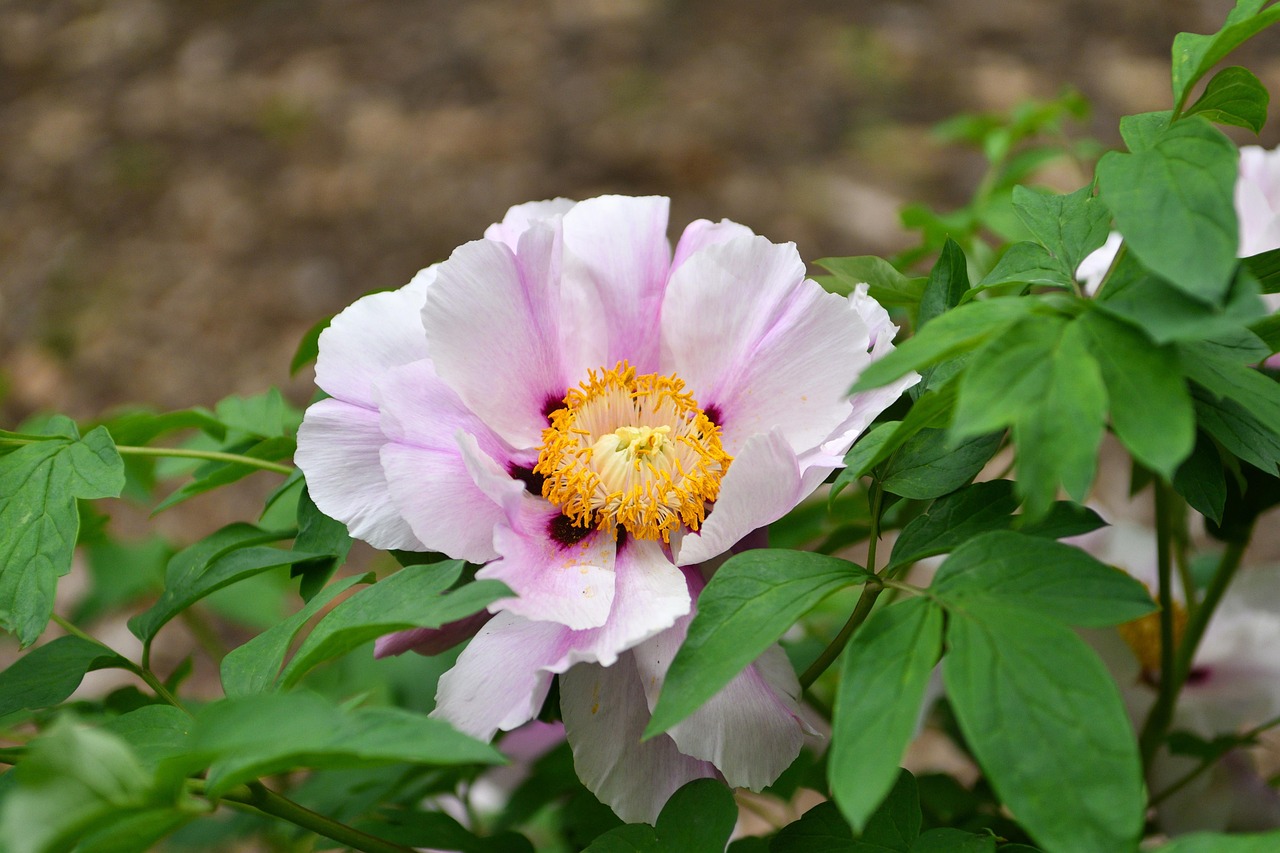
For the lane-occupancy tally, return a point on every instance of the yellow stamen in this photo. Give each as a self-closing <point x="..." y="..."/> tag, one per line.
<point x="632" y="450"/>
<point x="1143" y="637"/>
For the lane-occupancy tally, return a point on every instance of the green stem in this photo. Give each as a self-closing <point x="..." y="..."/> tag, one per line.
<point x="209" y="455"/>
<point x="862" y="609"/>
<point x="1206" y="763"/>
<point x="144" y="672"/>
<point x="263" y="799"/>
<point x="12" y="754"/>
<point x="177" y="452"/>
<point x="1157" y="722"/>
<point x="1199" y="620"/>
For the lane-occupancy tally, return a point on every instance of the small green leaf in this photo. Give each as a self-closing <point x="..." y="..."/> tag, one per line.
<point x="48" y="674"/>
<point x="896" y="824"/>
<point x="1069" y="227"/>
<point x="1020" y="684"/>
<point x="1167" y="314"/>
<point x="752" y="599"/>
<point x="1141" y="132"/>
<point x="1194" y="55"/>
<point x="252" y="667"/>
<point x="319" y="534"/>
<point x="39" y="485"/>
<point x="309" y="347"/>
<point x="948" y="840"/>
<point x="885" y="284"/>
<point x="1212" y="842"/>
<point x="1237" y="430"/>
<point x="1201" y="480"/>
<point x="1173" y="202"/>
<point x="1008" y="377"/>
<point x="231" y="554"/>
<point x="698" y="818"/>
<point x="213" y="475"/>
<point x="885" y="671"/>
<point x="862" y="457"/>
<point x="948" y="283"/>
<point x="819" y="830"/>
<point x="1234" y="96"/>
<point x="1224" y="378"/>
<point x="1151" y="407"/>
<point x="1265" y="267"/>
<point x="411" y="598"/>
<point x="632" y="838"/>
<point x="265" y="415"/>
<point x="929" y="466"/>
<point x="153" y="732"/>
<point x="959" y="330"/>
<point x="1028" y="263"/>
<point x="1057" y="581"/>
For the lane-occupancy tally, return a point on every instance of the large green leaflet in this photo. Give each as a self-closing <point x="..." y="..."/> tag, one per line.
<point x="39" y="485"/>
<point x="753" y="598"/>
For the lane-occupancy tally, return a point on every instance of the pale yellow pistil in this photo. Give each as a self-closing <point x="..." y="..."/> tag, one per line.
<point x="632" y="450"/>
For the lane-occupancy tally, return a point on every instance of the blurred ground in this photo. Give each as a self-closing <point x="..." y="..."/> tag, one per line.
<point x="185" y="187"/>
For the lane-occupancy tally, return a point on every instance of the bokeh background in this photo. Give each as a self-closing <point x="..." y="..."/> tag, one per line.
<point x="186" y="187"/>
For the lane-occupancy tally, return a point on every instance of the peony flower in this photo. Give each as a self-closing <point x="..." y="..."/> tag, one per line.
<point x="1257" y="203"/>
<point x="592" y="416"/>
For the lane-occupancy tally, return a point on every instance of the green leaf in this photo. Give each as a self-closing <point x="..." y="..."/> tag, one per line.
<point x="1212" y="842"/>
<point x="253" y="667"/>
<point x="885" y="284"/>
<point x="231" y="554"/>
<point x="1237" y="430"/>
<point x="1028" y="263"/>
<point x="440" y="832"/>
<point x="411" y="598"/>
<point x="1265" y="267"/>
<point x="1008" y="377"/>
<point x="134" y="833"/>
<point x="39" y="485"/>
<point x="1201" y="480"/>
<point x="982" y="507"/>
<point x="1194" y="55"/>
<point x="896" y="824"/>
<point x="929" y="466"/>
<point x="242" y="739"/>
<point x="948" y="283"/>
<point x="320" y="534"/>
<point x="948" y="840"/>
<point x="1069" y="227"/>
<point x="1050" y="579"/>
<point x="929" y="409"/>
<point x="698" y="818"/>
<point x="265" y="415"/>
<point x="309" y="347"/>
<point x="153" y="732"/>
<point x="121" y="573"/>
<point x="213" y="475"/>
<point x="1224" y="378"/>
<point x="819" y="830"/>
<point x="1020" y="685"/>
<point x="1151" y="407"/>
<point x="141" y="426"/>
<point x="1140" y="132"/>
<point x="74" y="779"/>
<point x="1058" y="440"/>
<point x="749" y="603"/>
<point x="959" y="330"/>
<point x="862" y="457"/>
<point x="1173" y="202"/>
<point x="885" y="671"/>
<point x="48" y="674"/>
<point x="1234" y="96"/>
<point x="632" y="838"/>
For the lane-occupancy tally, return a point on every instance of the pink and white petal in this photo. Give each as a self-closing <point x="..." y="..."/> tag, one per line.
<point x="426" y="473"/>
<point x="650" y="594"/>
<point x="571" y="584"/>
<point x="760" y="345"/>
<point x="501" y="679"/>
<point x="702" y="233"/>
<point x="431" y="641"/>
<point x="604" y="714"/>
<point x="762" y="485"/>
<point x="617" y="246"/>
<point x="519" y="218"/>
<point x="339" y="447"/>
<point x="372" y="335"/>
<point x="493" y="331"/>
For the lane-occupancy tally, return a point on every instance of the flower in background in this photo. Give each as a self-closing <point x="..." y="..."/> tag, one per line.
<point x="1257" y="202"/>
<point x="592" y="416"/>
<point x="1234" y="684"/>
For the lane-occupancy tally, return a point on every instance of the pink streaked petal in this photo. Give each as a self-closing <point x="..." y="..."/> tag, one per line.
<point x="762" y="485"/>
<point x="492" y="478"/>
<point x="371" y="336"/>
<point x="761" y="345"/>
<point x="501" y="679"/>
<point x="431" y="641"/>
<point x="617" y="247"/>
<point x="532" y="741"/>
<point x="520" y="217"/>
<point x="569" y="584"/>
<point x="339" y="446"/>
<point x="702" y="233"/>
<point x="649" y="596"/>
<point x="491" y="320"/>
<point x="604" y="714"/>
<point x="426" y="473"/>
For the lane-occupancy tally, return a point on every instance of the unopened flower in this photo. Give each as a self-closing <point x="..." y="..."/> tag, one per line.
<point x="591" y="416"/>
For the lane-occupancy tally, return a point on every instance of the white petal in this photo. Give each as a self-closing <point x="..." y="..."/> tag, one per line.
<point x="520" y="217"/>
<point x="501" y="679"/>
<point x="372" y="335"/>
<point x="617" y="247"/>
<point x="702" y="233"/>
<point x="339" y="446"/>
<point x="604" y="714"/>
<point x="762" y="485"/>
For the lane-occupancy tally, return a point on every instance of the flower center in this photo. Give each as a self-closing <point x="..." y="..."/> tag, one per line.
<point x="633" y="450"/>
